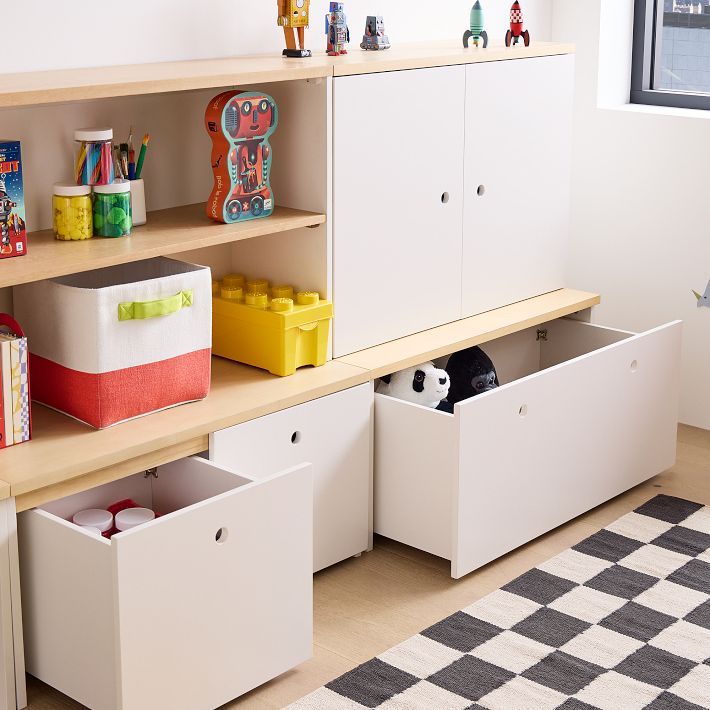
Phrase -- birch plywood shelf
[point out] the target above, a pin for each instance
(439, 54)
(170, 231)
(65, 456)
(46, 87)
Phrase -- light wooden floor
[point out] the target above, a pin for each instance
(363, 606)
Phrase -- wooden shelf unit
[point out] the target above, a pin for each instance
(170, 231)
(46, 87)
(66, 456)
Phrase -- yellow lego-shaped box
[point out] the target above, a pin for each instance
(269, 327)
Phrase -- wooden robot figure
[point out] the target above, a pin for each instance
(516, 30)
(293, 17)
(336, 29)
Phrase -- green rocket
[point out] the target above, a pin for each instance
(476, 25)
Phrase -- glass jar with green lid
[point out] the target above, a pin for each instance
(112, 209)
(71, 212)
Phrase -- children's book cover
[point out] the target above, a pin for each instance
(13, 233)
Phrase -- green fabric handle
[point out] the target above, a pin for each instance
(140, 310)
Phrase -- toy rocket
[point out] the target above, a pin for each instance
(516, 30)
(476, 25)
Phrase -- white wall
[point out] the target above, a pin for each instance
(640, 222)
(51, 34)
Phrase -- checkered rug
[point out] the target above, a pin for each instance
(620, 621)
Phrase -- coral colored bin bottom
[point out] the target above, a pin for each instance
(111, 397)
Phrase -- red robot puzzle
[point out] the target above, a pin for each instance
(240, 124)
(13, 233)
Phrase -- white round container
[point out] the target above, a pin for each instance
(131, 517)
(94, 518)
(92, 530)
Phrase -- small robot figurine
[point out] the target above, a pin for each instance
(516, 30)
(476, 30)
(293, 17)
(6, 205)
(375, 37)
(336, 29)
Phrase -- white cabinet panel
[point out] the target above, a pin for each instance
(331, 433)
(518, 147)
(397, 204)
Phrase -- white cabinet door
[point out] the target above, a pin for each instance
(397, 204)
(518, 146)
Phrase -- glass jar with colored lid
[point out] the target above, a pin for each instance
(72, 212)
(94, 158)
(112, 209)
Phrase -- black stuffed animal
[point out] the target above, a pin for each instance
(471, 372)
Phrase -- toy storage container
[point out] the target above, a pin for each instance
(72, 212)
(584, 413)
(272, 328)
(112, 209)
(116, 343)
(185, 612)
(94, 161)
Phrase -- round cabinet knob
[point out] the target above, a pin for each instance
(445, 197)
(481, 190)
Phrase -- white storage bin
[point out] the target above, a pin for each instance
(185, 612)
(588, 413)
(334, 434)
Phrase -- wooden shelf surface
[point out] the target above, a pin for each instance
(430, 344)
(438, 54)
(66, 456)
(168, 231)
(45, 87)
(64, 450)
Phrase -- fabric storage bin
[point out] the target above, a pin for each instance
(116, 343)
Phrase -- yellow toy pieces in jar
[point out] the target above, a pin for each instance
(72, 212)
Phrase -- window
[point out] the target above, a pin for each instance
(671, 59)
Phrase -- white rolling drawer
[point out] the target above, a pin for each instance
(588, 412)
(334, 434)
(171, 614)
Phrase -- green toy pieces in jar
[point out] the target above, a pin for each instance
(112, 209)
(71, 210)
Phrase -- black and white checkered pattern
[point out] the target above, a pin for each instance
(620, 621)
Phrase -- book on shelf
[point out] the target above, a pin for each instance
(6, 425)
(15, 389)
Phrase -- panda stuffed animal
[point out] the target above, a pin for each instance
(424, 384)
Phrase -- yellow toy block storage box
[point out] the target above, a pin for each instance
(269, 327)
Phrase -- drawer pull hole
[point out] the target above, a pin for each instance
(296, 437)
(481, 190)
(221, 536)
(445, 197)
(523, 411)
(634, 365)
